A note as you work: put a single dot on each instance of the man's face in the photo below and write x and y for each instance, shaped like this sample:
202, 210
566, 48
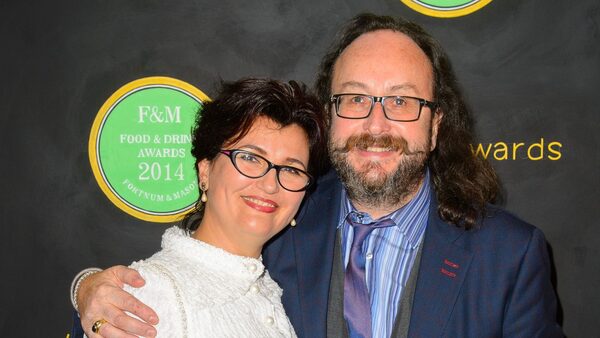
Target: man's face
380, 161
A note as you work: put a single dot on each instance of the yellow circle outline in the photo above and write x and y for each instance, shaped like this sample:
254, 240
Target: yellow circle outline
104, 110
453, 13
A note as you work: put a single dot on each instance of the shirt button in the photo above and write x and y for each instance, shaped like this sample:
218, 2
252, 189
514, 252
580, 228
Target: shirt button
251, 267
254, 289
369, 255
269, 320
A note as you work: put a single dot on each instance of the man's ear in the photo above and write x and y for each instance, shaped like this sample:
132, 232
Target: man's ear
203, 173
435, 124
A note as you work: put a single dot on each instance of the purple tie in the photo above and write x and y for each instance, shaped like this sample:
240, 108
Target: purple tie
357, 307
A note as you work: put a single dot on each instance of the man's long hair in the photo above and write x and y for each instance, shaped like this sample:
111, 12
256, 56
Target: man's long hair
463, 182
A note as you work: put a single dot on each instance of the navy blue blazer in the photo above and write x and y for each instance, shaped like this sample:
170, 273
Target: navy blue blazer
493, 281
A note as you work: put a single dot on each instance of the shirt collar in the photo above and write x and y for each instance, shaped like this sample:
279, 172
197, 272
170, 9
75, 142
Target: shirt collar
403, 217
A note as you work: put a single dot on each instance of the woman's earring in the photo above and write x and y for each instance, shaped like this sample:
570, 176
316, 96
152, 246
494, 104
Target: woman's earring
293, 222
203, 198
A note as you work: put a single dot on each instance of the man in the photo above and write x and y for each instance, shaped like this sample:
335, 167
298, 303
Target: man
400, 239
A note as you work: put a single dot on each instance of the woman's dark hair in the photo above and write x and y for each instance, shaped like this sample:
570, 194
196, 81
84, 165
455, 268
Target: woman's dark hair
463, 182
231, 115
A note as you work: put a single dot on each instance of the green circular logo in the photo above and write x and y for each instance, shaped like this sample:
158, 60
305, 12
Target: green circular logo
446, 8
140, 145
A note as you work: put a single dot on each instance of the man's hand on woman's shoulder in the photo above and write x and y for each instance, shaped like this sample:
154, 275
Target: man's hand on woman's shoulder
101, 296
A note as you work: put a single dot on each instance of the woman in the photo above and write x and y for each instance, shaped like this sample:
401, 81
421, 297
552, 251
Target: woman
254, 146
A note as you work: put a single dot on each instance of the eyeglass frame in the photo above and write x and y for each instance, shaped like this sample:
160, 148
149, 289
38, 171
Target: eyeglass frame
334, 99
230, 153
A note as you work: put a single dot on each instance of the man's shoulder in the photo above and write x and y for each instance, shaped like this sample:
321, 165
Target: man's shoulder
497, 219
499, 230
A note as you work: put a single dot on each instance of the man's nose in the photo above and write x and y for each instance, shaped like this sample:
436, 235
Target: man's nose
376, 123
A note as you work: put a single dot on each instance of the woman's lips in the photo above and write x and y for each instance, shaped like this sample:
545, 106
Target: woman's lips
260, 204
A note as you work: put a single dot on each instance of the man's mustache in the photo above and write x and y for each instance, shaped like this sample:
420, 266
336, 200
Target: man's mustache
364, 141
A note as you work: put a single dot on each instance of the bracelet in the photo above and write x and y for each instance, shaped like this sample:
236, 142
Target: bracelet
76, 283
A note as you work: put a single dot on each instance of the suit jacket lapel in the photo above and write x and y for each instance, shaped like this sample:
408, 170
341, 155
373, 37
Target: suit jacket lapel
444, 265
402, 321
314, 239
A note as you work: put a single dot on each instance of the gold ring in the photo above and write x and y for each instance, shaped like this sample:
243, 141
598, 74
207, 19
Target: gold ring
97, 325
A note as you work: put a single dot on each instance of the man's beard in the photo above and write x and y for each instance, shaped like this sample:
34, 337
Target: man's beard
383, 190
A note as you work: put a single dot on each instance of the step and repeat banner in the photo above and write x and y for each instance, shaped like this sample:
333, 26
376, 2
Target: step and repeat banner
98, 99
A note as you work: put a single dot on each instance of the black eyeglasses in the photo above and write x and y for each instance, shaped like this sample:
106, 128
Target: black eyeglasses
252, 165
395, 108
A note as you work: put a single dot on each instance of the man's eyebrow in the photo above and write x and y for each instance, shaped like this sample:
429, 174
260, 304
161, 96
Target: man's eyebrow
363, 86
404, 86
354, 84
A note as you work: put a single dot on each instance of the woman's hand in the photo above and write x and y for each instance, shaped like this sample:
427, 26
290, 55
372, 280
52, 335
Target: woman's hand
101, 296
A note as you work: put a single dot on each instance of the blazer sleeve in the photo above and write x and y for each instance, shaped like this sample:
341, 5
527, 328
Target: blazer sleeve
531, 309
76, 329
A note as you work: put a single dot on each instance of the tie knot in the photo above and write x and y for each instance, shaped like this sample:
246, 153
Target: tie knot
362, 230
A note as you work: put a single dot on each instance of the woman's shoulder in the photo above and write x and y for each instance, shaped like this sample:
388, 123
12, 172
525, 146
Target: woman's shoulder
162, 295
171, 274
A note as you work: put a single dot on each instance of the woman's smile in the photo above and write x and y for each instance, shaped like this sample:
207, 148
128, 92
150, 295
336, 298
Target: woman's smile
260, 204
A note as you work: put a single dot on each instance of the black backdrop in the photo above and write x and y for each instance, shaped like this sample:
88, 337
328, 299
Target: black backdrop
530, 68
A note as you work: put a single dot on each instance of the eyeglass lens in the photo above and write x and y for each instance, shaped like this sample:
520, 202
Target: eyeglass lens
255, 166
395, 107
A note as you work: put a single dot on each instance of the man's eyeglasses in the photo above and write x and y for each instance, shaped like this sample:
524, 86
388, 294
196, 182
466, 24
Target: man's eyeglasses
254, 166
395, 108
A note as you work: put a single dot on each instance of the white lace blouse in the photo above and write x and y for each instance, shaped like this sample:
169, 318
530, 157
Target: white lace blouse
199, 290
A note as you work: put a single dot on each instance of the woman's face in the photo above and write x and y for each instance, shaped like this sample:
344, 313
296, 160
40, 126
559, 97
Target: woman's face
246, 212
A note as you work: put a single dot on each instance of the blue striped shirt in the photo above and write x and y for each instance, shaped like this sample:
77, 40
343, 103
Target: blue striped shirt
390, 254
